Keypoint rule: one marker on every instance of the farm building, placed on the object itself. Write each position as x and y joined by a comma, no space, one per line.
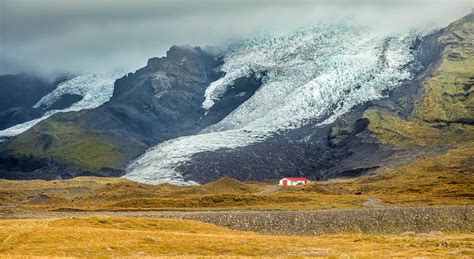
292,181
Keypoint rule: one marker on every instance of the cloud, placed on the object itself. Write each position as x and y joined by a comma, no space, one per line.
50,36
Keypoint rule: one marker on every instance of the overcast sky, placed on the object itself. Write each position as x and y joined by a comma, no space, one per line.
50,36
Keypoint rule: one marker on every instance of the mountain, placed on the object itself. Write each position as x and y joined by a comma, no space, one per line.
74,94
18,95
360,124
324,101
158,102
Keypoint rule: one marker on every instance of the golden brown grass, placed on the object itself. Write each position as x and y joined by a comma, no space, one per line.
437,120
445,179
449,174
154,237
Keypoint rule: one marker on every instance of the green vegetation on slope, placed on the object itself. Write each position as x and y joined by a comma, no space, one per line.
444,113
446,175
448,95
71,144
391,129
445,179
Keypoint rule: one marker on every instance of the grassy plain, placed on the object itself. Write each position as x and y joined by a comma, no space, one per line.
444,179
441,118
105,237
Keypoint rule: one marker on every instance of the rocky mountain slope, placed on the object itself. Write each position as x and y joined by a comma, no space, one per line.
78,93
371,137
18,95
427,111
158,102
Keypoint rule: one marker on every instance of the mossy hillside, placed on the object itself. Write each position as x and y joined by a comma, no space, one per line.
448,92
444,179
444,113
393,130
70,143
446,175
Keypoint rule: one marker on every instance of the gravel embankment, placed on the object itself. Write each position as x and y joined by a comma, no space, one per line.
380,221
374,221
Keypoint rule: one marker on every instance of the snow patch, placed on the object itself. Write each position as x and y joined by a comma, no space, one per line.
315,73
95,89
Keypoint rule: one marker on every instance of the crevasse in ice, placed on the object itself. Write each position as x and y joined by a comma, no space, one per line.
314,74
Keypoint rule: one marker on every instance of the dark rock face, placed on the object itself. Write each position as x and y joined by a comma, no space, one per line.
156,103
161,100
64,102
22,90
343,130
17,115
241,90
30,168
344,148
18,95
303,152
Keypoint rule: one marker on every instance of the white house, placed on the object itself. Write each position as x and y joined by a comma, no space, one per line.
292,181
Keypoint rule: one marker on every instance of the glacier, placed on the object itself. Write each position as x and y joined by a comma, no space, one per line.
95,90
314,74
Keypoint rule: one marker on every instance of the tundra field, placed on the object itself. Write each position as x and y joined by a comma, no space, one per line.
99,236
391,213
439,180
102,152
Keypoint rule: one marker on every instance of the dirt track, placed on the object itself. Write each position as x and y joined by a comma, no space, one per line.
380,221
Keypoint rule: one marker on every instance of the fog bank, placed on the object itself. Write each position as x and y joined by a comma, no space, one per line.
51,36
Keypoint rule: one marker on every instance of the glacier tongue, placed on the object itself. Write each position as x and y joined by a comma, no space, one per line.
315,73
95,90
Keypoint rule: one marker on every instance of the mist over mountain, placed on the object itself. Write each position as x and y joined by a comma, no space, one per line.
327,128
328,100
315,89
52,36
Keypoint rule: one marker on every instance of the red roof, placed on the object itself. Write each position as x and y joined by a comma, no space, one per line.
297,179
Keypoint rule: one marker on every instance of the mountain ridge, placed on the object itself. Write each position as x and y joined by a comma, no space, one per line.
19,93
393,130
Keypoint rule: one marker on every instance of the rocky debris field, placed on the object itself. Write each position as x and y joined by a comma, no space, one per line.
370,221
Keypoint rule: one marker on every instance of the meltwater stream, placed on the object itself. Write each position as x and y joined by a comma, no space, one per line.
315,73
